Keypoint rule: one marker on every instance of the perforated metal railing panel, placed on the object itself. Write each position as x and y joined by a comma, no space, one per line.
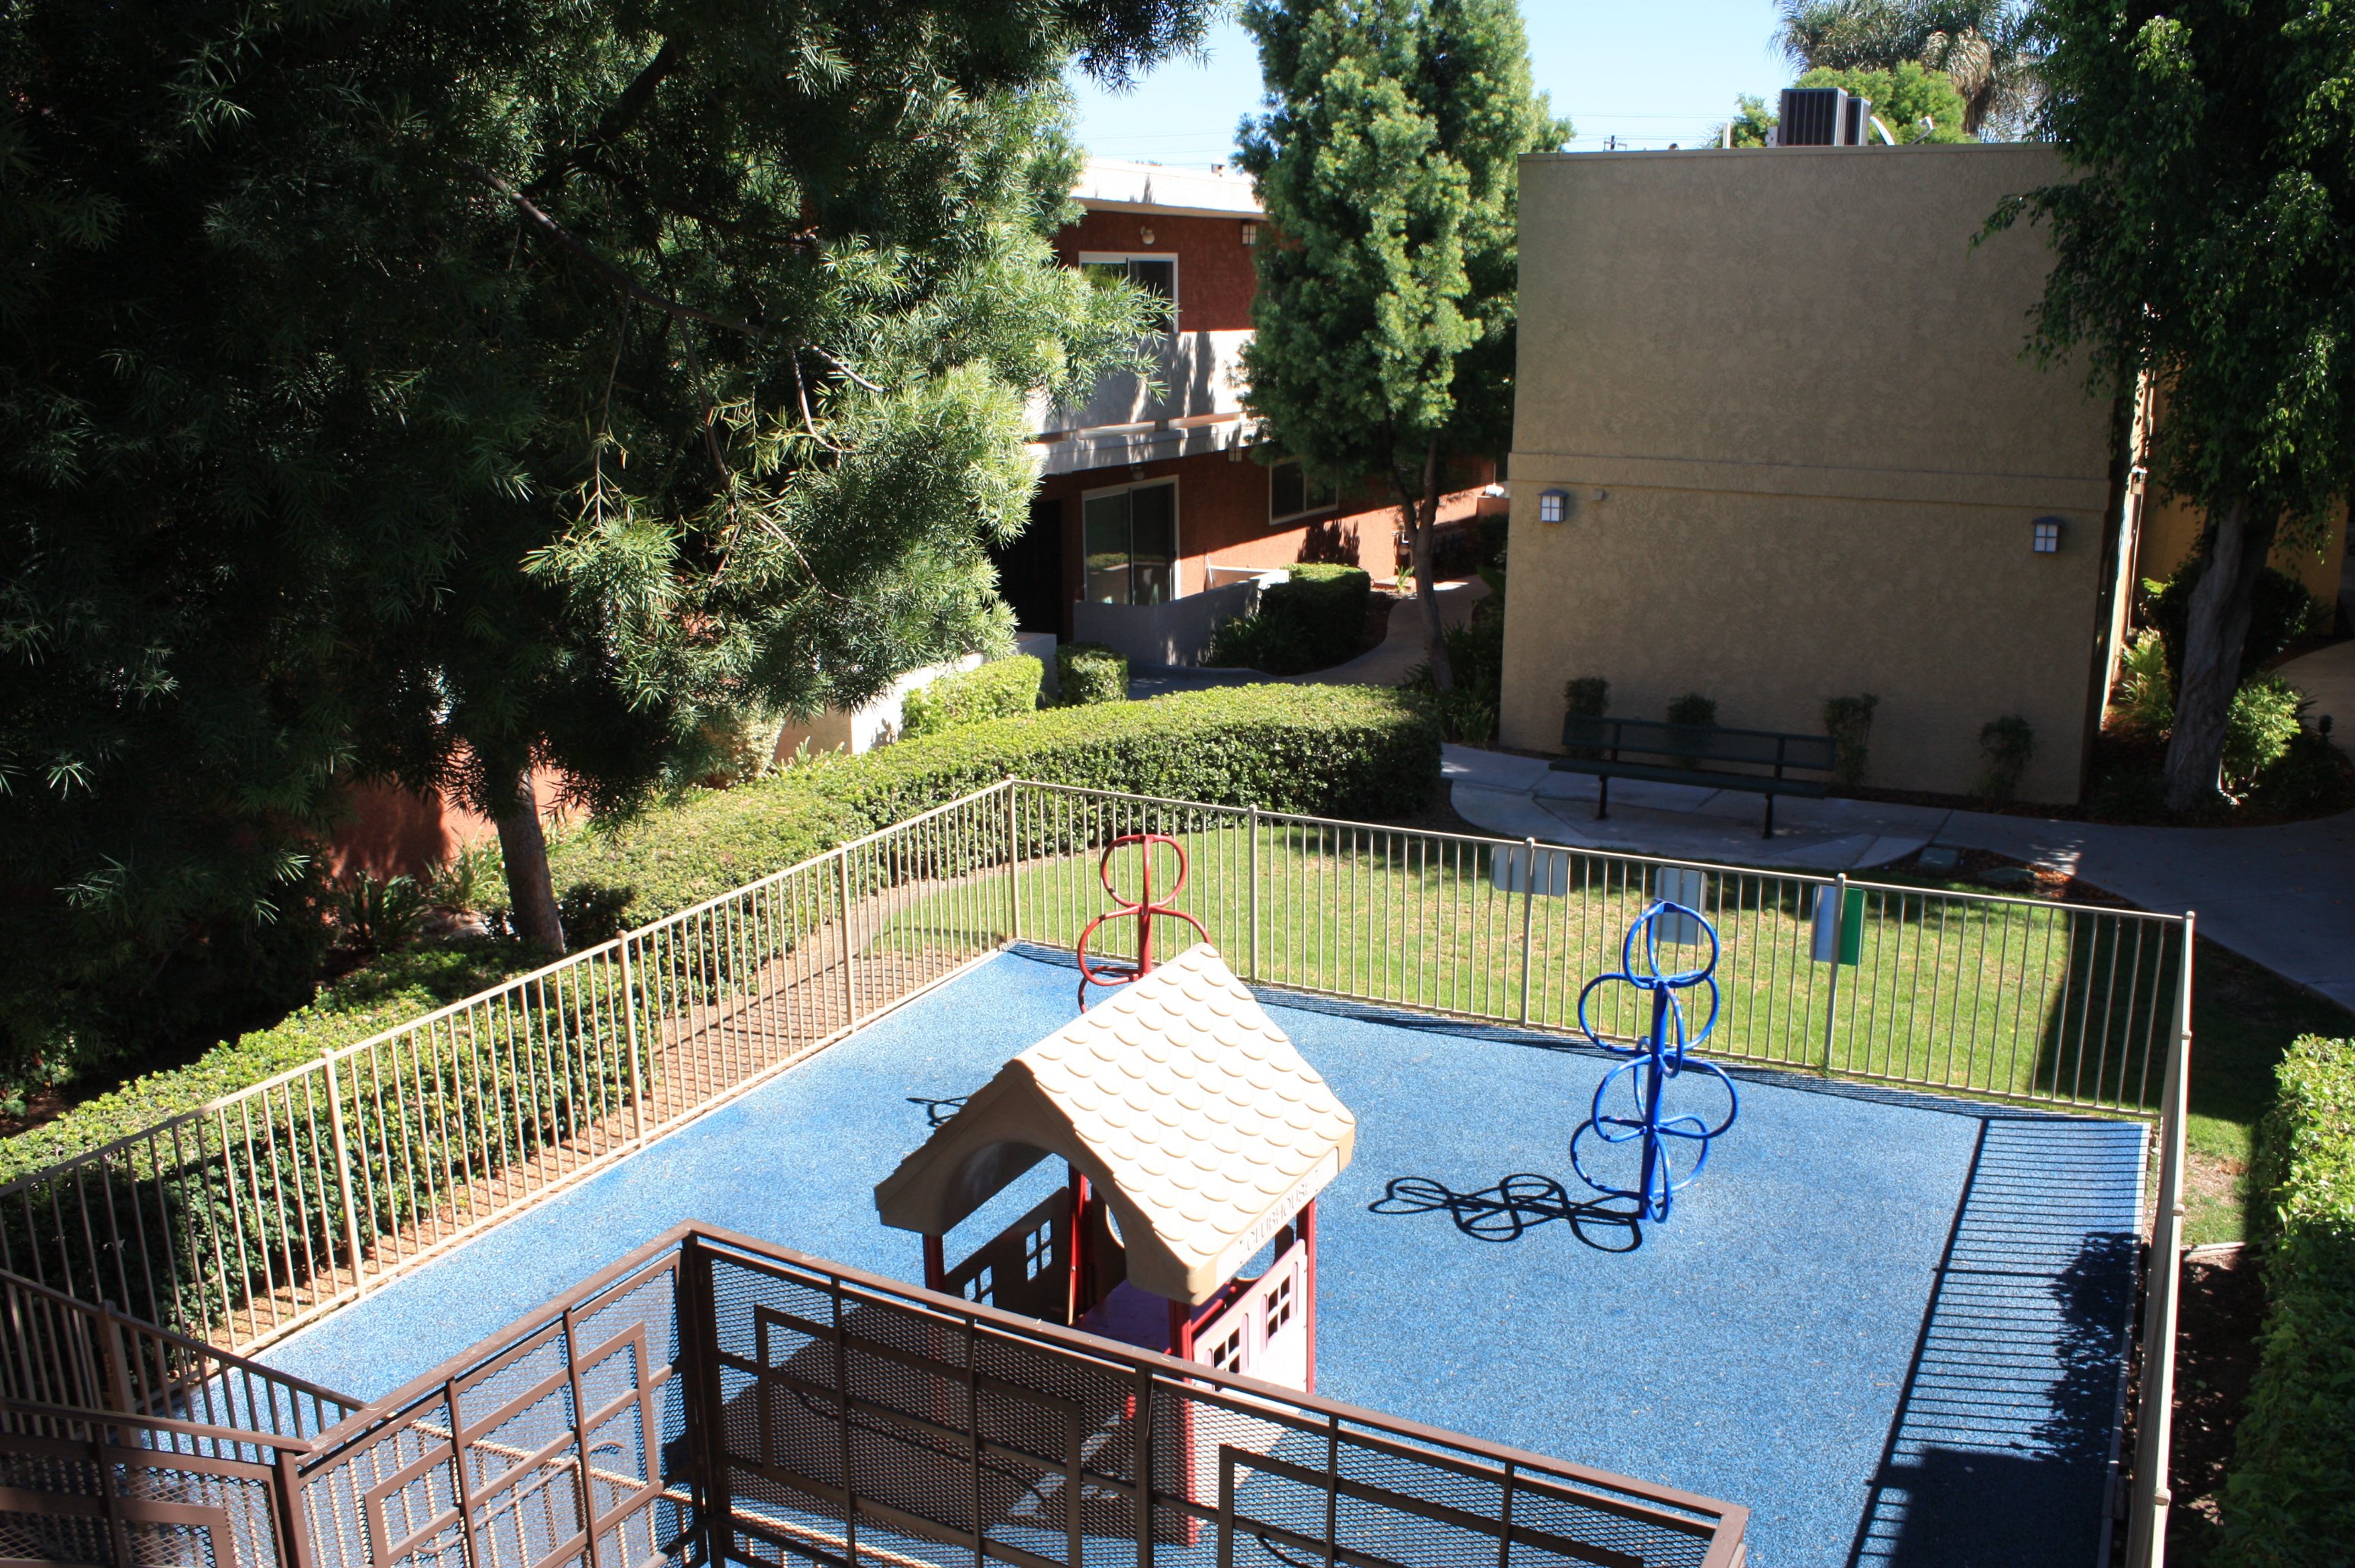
553,1451
864,1422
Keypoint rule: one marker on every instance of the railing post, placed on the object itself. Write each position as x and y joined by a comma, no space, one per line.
2155,1410
343,1165
1250,960
1528,909
1840,947
849,988
1014,858
630,1044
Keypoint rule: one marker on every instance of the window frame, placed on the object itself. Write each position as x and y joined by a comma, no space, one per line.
1177,535
1277,519
1087,259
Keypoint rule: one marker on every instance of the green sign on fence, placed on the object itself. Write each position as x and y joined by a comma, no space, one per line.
1852,926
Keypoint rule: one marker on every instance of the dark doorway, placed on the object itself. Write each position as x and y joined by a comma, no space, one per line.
1031,570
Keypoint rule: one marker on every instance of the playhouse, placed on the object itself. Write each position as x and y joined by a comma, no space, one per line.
1194,1138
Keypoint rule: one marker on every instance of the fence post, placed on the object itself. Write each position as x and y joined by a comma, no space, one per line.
849,988
2154,1417
1250,961
1014,858
630,1044
1839,947
1528,909
343,1165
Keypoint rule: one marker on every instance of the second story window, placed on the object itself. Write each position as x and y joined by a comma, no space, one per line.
1292,492
1157,276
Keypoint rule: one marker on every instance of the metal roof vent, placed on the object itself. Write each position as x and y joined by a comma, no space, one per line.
1823,117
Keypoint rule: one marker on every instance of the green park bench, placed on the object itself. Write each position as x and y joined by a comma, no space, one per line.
1704,754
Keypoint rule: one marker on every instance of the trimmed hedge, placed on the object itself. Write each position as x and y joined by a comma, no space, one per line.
1002,689
2288,1499
1335,750
365,1002
1091,672
1316,620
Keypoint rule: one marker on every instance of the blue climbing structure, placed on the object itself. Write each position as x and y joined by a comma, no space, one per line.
1671,1150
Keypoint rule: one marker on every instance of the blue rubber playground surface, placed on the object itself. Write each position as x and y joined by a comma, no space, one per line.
1892,1326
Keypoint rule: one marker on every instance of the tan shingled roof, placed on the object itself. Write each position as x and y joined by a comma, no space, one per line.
1178,1097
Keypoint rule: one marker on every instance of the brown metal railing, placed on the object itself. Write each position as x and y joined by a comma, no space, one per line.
239,1222
818,1414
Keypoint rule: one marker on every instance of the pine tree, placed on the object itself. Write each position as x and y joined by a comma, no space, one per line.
1388,166
436,388
2207,242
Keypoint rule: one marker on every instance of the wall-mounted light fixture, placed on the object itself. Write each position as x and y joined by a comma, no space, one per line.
2046,539
1250,233
1553,505
1145,236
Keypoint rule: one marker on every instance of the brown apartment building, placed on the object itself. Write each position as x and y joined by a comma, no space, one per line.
1153,521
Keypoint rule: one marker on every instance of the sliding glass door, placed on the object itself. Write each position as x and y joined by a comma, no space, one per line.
1131,538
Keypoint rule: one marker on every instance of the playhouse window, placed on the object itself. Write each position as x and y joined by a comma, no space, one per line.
1037,1249
1279,1306
1227,1356
981,1287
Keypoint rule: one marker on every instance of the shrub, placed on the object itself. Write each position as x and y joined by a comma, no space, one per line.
2280,611
1343,750
2285,1500
1586,697
1475,659
1692,707
2006,744
1091,672
379,915
2311,777
998,690
2258,729
1313,621
1849,722
2145,695
365,1002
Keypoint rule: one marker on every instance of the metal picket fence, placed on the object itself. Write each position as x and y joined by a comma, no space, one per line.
238,1223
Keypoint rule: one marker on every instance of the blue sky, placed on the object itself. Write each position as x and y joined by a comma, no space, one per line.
1648,72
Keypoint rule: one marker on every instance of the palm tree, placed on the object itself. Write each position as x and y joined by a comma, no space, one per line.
1986,48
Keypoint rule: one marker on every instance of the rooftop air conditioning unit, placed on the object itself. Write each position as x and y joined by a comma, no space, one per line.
1823,117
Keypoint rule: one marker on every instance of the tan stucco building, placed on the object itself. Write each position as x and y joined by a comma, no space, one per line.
1804,457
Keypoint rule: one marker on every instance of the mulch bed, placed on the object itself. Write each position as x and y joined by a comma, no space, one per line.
2222,1309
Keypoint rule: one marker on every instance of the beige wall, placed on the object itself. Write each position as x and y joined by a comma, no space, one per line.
2171,525
1786,395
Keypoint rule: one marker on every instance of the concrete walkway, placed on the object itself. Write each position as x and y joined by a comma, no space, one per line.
1402,647
2327,676
2284,896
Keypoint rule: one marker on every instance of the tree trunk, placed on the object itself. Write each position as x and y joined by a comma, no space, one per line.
530,894
1421,515
2216,628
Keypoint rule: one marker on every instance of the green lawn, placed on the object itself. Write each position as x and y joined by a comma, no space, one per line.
2012,997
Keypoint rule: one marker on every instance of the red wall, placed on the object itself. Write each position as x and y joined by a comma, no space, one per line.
1215,278
1223,520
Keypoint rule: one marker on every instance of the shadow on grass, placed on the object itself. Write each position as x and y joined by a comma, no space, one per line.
1515,1206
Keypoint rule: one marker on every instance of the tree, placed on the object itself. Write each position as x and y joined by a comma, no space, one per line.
1916,103
2207,243
1987,47
436,390
1387,162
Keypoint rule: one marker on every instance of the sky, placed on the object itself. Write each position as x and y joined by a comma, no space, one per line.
1648,72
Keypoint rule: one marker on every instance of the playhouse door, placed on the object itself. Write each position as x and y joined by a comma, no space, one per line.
1264,1333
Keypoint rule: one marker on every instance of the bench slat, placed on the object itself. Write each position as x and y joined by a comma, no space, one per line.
1705,778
